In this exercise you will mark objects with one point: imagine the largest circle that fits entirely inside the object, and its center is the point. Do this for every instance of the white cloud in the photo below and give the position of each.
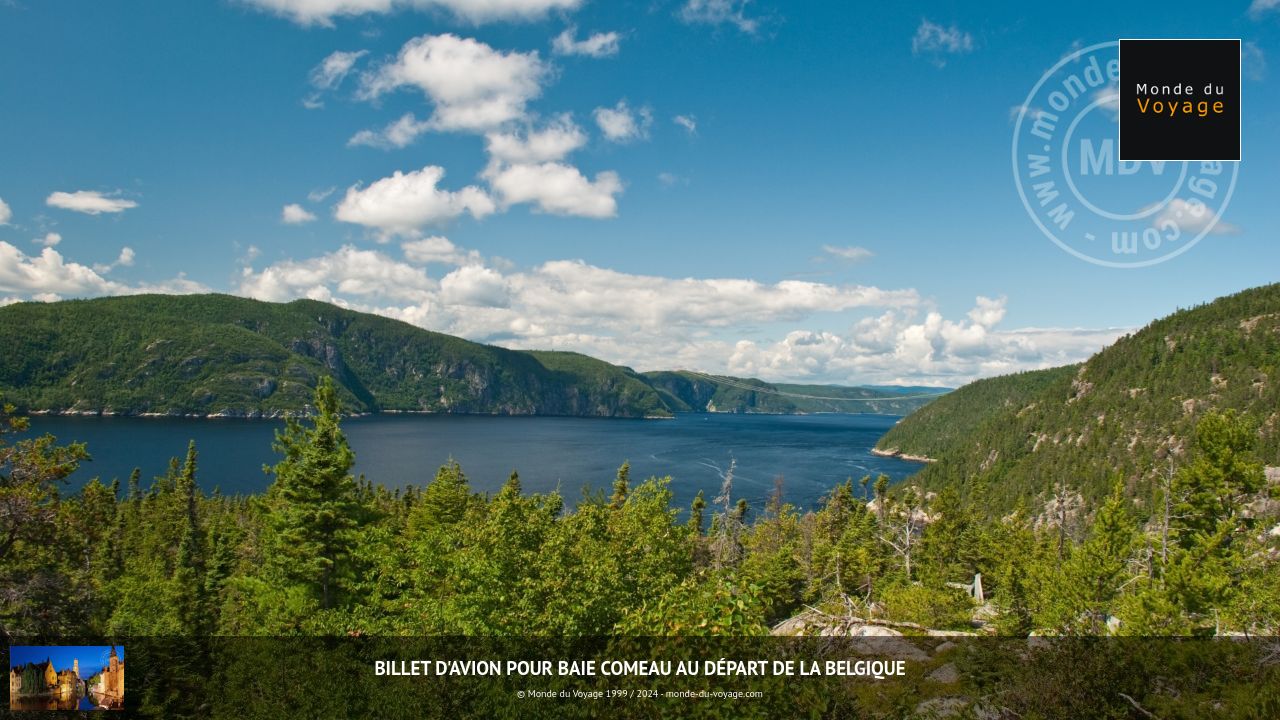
(718, 12)
(653, 322)
(90, 202)
(558, 189)
(1191, 217)
(937, 41)
(474, 285)
(125, 259)
(295, 214)
(1254, 60)
(621, 124)
(329, 74)
(398, 134)
(1258, 8)
(319, 195)
(848, 253)
(437, 249)
(596, 45)
(49, 240)
(560, 137)
(669, 179)
(473, 86)
(405, 202)
(688, 122)
(49, 273)
(347, 271)
(323, 12)
(898, 347)
(331, 71)
(5, 213)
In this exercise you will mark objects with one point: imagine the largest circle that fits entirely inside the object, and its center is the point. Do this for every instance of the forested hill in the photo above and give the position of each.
(697, 392)
(1128, 411)
(224, 355)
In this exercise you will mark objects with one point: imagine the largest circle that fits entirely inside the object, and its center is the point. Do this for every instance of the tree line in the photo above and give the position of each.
(322, 552)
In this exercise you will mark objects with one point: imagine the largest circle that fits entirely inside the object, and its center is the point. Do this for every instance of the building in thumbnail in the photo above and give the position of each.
(69, 679)
(111, 681)
(34, 678)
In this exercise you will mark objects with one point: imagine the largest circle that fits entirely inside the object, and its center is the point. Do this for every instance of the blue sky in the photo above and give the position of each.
(813, 191)
(92, 657)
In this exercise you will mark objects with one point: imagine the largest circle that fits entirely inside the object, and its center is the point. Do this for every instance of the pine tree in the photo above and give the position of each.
(189, 566)
(621, 484)
(444, 501)
(697, 514)
(312, 502)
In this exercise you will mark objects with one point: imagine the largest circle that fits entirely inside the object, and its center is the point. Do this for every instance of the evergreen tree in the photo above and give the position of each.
(312, 501)
(621, 484)
(697, 514)
(189, 565)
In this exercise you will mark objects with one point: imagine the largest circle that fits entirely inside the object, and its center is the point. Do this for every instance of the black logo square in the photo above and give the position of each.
(1180, 100)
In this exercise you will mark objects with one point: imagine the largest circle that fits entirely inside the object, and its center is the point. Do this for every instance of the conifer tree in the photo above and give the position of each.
(312, 502)
(621, 484)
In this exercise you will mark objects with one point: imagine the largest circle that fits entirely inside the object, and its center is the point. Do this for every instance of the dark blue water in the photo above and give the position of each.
(812, 452)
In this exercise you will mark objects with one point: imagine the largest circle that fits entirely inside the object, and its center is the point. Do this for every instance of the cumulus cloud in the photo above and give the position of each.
(5, 213)
(472, 86)
(935, 41)
(621, 124)
(558, 189)
(900, 347)
(324, 12)
(437, 249)
(1191, 217)
(847, 253)
(295, 214)
(596, 45)
(688, 122)
(49, 240)
(49, 274)
(475, 286)
(557, 139)
(347, 271)
(398, 134)
(652, 322)
(405, 202)
(89, 202)
(720, 12)
(125, 259)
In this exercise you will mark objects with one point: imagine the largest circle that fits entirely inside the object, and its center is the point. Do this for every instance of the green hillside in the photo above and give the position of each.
(220, 354)
(945, 425)
(224, 355)
(696, 392)
(1128, 411)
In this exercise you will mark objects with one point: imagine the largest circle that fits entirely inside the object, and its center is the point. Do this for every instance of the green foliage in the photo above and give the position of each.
(695, 392)
(1130, 409)
(711, 605)
(217, 354)
(932, 607)
(312, 503)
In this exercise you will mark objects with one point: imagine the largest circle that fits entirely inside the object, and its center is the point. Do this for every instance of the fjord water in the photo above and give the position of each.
(812, 452)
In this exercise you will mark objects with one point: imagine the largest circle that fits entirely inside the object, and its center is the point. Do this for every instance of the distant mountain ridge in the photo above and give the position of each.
(220, 355)
(1126, 412)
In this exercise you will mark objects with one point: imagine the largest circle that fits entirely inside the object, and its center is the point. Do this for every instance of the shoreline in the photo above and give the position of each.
(896, 453)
